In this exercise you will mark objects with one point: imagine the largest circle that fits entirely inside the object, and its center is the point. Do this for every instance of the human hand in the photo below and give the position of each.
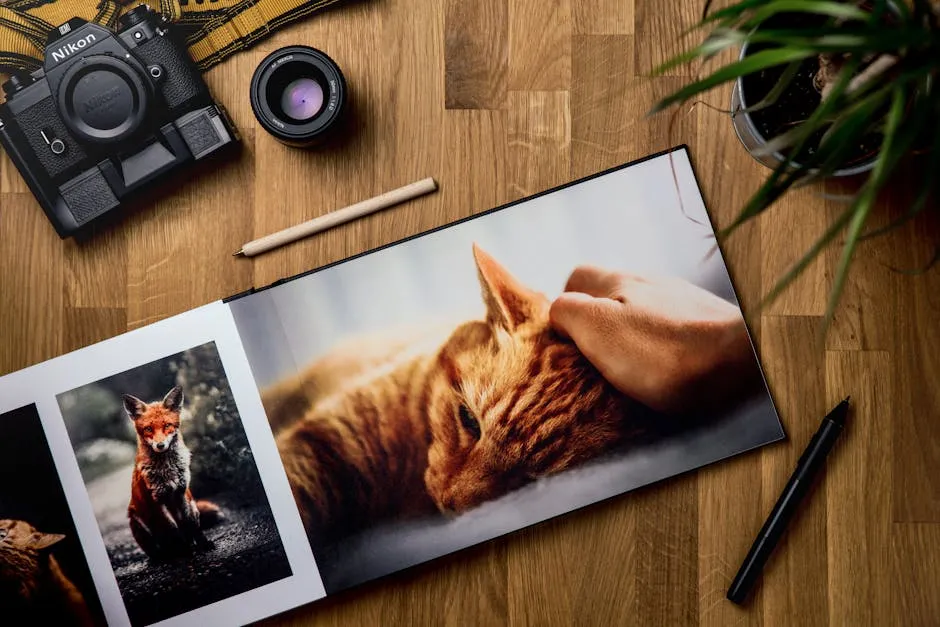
(667, 343)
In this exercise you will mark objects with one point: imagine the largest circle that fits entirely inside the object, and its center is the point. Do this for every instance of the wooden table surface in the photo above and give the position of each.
(499, 99)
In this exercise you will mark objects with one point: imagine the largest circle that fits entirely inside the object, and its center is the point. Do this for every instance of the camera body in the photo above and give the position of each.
(110, 114)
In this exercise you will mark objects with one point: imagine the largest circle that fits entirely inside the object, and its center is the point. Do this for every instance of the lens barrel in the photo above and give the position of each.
(298, 94)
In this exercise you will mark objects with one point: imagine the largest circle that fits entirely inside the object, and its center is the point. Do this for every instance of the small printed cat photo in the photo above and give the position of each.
(44, 577)
(425, 399)
(174, 486)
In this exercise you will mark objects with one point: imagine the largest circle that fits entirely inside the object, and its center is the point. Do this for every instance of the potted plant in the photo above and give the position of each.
(824, 88)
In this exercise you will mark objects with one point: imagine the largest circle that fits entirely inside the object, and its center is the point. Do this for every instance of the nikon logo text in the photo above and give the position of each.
(72, 47)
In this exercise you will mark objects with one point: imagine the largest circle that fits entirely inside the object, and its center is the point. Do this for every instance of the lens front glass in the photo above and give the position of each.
(302, 99)
(296, 92)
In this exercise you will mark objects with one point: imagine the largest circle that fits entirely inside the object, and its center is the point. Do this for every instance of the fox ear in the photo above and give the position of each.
(134, 406)
(40, 541)
(509, 303)
(174, 399)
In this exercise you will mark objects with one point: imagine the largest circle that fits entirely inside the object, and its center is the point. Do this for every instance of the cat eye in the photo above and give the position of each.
(3, 534)
(469, 422)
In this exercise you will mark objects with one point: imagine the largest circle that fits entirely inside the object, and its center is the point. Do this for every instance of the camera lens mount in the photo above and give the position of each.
(103, 99)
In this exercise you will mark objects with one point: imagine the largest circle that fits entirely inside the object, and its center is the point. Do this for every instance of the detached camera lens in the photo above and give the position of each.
(298, 95)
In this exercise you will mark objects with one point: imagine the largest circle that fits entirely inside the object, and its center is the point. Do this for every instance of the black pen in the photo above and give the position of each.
(806, 469)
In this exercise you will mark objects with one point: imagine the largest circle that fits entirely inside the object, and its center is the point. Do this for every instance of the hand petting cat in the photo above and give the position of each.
(670, 344)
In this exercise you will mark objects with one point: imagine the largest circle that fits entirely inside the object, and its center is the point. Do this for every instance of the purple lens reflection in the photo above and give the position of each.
(302, 98)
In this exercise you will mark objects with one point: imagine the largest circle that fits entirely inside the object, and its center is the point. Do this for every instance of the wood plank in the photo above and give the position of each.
(913, 573)
(474, 168)
(96, 272)
(857, 485)
(476, 54)
(793, 586)
(539, 44)
(83, 326)
(659, 34)
(539, 147)
(788, 229)
(591, 556)
(730, 508)
(32, 276)
(11, 181)
(603, 129)
(603, 17)
(856, 324)
(609, 104)
(409, 140)
(914, 410)
(667, 553)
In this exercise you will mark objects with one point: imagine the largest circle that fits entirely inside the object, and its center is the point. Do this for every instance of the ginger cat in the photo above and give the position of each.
(495, 405)
(33, 588)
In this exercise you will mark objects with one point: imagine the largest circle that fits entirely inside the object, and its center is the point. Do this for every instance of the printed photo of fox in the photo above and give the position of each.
(174, 485)
(164, 517)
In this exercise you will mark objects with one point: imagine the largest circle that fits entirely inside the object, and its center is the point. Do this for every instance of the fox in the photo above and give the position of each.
(165, 520)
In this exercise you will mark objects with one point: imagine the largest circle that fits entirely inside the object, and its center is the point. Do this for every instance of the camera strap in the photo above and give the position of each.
(214, 29)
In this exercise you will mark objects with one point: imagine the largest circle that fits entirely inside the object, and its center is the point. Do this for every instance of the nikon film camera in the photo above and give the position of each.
(109, 115)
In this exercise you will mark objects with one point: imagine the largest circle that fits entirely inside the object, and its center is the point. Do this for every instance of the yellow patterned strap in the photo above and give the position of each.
(214, 29)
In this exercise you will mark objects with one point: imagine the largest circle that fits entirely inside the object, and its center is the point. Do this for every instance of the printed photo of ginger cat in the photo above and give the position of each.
(33, 588)
(372, 433)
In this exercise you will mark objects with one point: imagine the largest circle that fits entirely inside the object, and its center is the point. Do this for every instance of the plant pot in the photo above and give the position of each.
(754, 140)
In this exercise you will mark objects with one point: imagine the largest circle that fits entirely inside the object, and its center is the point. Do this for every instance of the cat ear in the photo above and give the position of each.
(40, 541)
(133, 406)
(174, 399)
(509, 303)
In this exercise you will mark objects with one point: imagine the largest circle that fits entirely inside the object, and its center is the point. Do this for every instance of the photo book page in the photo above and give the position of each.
(265, 451)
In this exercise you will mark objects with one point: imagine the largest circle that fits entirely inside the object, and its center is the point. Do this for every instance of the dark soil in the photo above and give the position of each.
(247, 554)
(797, 102)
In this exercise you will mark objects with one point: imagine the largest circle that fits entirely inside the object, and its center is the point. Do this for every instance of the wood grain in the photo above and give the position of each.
(543, 62)
(659, 34)
(794, 582)
(498, 99)
(476, 54)
(603, 17)
(539, 142)
(858, 491)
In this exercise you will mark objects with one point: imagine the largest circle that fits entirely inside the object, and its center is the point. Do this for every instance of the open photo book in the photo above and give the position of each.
(270, 449)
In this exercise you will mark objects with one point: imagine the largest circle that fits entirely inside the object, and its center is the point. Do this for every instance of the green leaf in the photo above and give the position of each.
(750, 64)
